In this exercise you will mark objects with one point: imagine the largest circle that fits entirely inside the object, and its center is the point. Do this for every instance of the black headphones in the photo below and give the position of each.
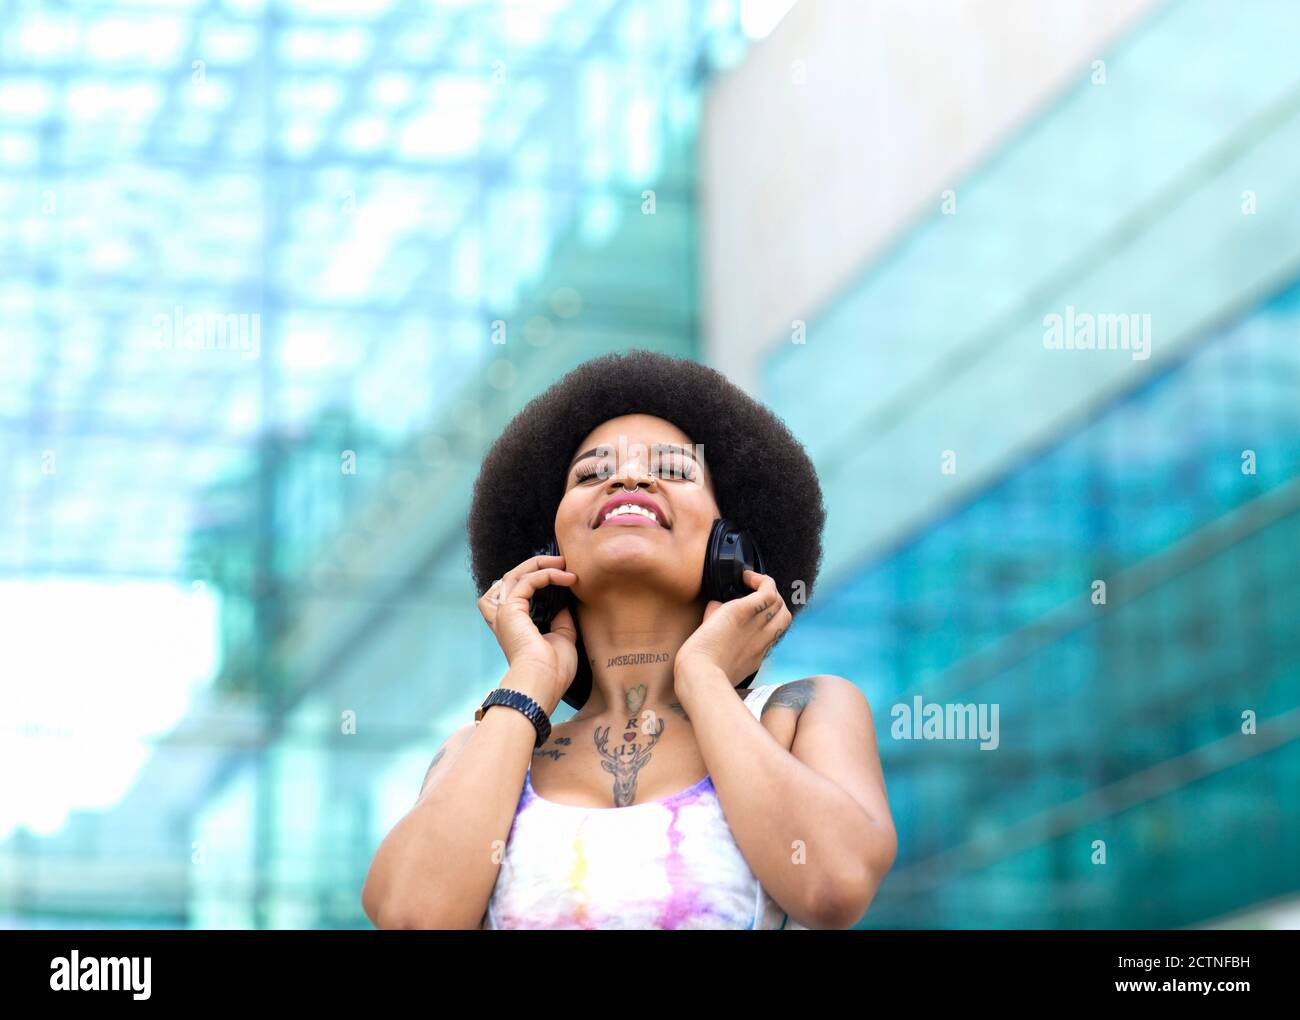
(731, 551)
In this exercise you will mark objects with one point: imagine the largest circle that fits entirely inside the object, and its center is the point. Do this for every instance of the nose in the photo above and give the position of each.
(632, 472)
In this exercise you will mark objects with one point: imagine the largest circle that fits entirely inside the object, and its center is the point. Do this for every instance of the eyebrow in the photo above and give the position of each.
(596, 451)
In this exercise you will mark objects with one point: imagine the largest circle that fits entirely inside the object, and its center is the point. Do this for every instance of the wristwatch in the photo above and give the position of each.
(525, 704)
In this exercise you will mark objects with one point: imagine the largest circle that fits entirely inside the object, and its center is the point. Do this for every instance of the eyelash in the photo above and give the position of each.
(683, 467)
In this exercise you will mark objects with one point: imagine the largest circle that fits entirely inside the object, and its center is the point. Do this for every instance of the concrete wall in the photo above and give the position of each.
(848, 121)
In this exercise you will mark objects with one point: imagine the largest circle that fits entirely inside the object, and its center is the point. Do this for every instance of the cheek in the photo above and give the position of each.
(695, 518)
(691, 537)
(569, 519)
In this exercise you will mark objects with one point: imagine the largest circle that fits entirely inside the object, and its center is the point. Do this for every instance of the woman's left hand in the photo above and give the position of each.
(736, 636)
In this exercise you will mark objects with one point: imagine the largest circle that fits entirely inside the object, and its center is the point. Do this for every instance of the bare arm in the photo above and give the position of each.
(437, 866)
(813, 822)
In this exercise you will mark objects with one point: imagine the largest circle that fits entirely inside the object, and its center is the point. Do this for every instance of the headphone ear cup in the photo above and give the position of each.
(548, 601)
(730, 552)
(711, 585)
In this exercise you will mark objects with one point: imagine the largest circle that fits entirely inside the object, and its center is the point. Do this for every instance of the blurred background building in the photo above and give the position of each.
(274, 274)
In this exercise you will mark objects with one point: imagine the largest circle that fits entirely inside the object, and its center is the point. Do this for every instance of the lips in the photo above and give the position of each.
(637, 499)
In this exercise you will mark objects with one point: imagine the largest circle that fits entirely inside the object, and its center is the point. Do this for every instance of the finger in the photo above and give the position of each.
(766, 601)
(776, 629)
(564, 626)
(528, 566)
(761, 582)
(487, 603)
(780, 625)
(773, 616)
(773, 631)
(778, 613)
(524, 588)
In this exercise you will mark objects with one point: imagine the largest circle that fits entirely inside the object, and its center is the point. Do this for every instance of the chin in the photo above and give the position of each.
(628, 554)
(627, 557)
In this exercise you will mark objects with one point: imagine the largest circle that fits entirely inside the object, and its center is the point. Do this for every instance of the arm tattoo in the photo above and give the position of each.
(625, 761)
(436, 758)
(794, 695)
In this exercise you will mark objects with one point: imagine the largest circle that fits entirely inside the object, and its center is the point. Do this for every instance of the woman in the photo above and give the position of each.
(676, 797)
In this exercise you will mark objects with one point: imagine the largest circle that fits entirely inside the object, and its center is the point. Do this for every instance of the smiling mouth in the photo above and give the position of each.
(631, 514)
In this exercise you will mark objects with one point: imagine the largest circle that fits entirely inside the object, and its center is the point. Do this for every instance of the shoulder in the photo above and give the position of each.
(799, 694)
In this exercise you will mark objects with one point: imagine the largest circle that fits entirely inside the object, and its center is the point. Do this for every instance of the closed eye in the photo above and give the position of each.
(678, 467)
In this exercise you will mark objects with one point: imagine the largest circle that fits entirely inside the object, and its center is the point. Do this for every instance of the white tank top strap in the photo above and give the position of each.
(758, 696)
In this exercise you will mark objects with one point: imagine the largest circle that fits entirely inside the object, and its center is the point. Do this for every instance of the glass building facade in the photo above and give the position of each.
(275, 272)
(1126, 721)
(1117, 579)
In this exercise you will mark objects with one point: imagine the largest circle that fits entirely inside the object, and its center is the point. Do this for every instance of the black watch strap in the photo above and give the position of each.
(525, 704)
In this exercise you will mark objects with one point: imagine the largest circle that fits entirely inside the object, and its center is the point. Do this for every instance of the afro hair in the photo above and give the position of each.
(762, 477)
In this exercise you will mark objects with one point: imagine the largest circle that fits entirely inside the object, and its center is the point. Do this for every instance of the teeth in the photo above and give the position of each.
(632, 508)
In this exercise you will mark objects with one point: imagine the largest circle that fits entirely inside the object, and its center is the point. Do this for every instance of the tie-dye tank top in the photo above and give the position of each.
(669, 863)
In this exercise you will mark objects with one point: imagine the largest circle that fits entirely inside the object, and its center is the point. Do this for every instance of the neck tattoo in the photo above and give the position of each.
(637, 659)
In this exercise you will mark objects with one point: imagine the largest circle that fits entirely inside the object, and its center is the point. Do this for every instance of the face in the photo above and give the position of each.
(653, 465)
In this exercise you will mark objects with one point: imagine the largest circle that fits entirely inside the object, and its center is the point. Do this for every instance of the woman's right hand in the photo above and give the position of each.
(505, 607)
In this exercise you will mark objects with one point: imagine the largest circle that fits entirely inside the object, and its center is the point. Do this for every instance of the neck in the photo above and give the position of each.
(631, 640)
